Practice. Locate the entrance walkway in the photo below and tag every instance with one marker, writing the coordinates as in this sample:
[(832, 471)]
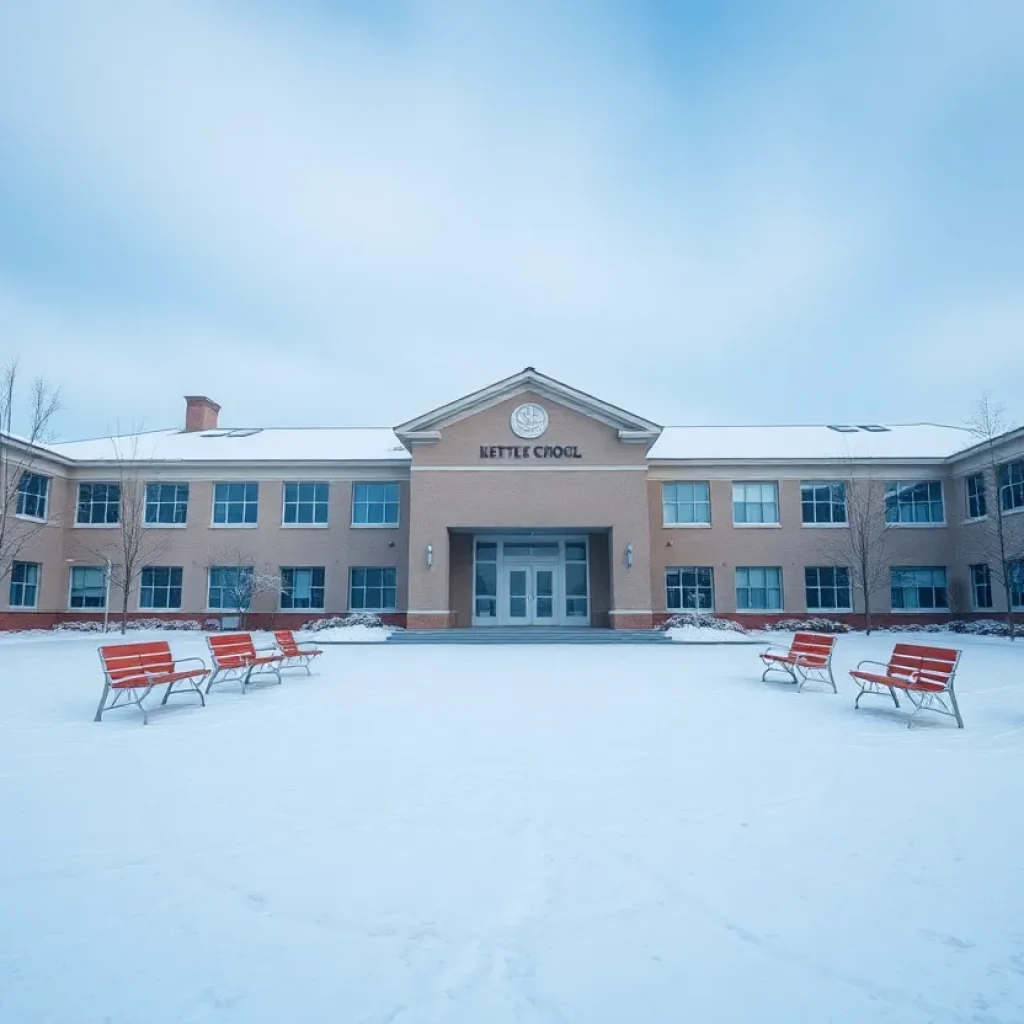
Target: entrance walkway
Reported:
[(528, 635)]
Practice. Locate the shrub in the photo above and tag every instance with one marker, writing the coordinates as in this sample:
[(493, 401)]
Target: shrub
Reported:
[(79, 627), (968, 627), (703, 621), (810, 625), (345, 621)]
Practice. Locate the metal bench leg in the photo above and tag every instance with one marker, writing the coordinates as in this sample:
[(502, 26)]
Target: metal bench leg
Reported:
[(167, 692), (832, 679), (956, 710), (103, 702), (213, 678)]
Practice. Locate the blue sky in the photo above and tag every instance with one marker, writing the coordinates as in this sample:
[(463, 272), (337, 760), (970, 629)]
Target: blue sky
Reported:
[(347, 213)]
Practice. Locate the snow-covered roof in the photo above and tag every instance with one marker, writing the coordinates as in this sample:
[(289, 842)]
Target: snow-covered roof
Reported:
[(240, 444), (843, 441)]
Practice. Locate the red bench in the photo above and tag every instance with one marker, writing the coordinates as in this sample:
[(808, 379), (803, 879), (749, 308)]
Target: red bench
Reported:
[(808, 656), (235, 657), (925, 674), (293, 653), (130, 671)]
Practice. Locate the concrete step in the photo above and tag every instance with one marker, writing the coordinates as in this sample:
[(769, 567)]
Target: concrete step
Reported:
[(528, 635)]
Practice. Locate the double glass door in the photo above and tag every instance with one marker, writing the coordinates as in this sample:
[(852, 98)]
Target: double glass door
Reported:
[(531, 594)]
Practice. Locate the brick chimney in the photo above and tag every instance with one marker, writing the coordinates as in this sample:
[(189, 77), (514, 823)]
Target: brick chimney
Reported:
[(200, 413)]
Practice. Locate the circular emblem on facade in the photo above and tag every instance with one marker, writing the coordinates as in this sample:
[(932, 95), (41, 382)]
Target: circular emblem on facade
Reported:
[(530, 420)]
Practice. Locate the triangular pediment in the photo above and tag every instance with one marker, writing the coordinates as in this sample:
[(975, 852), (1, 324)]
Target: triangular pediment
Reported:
[(427, 427)]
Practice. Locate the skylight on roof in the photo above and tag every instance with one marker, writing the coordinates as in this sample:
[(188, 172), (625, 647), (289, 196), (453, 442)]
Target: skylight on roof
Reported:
[(874, 428), (244, 433), (215, 433), (842, 428)]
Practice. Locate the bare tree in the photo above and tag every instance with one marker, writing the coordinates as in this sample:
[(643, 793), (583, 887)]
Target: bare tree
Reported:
[(240, 579), (137, 546), (996, 538), (18, 454), (863, 546)]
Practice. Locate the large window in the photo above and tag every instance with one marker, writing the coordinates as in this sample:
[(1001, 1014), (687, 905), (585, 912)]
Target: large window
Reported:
[(576, 603), (686, 504), (485, 581), (236, 504), (305, 504), (33, 492), (977, 500), (758, 589), (302, 588), (981, 587), (828, 588), (230, 587), (917, 502), (24, 584), (375, 504), (1011, 486), (689, 588), (372, 589), (160, 587), (755, 503), (88, 587), (822, 503), (166, 504), (98, 504), (1016, 581), (922, 589)]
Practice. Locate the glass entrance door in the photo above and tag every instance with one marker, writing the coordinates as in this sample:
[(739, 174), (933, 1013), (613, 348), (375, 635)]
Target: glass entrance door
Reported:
[(543, 596), (531, 595), (519, 594)]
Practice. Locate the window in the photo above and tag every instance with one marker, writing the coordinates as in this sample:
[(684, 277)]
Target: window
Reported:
[(88, 587), (828, 588), (372, 590), (375, 504), (686, 504), (1011, 486), (230, 587), (1016, 581), (235, 504), (758, 589), (576, 604), (689, 588), (166, 504), (823, 503), (305, 504), (981, 587), (914, 502), (977, 503), (755, 503), (918, 589), (98, 504), (302, 588), (485, 580), (24, 584), (33, 491), (160, 587)]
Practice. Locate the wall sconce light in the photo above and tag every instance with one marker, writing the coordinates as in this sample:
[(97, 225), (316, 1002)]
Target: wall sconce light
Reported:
[(629, 555), (430, 555)]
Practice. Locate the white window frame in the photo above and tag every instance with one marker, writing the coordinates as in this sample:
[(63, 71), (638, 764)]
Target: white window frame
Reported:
[(831, 505), (92, 504), (71, 588), (351, 587), (834, 587), (694, 503), (984, 583), (758, 568), (322, 587), (175, 504), (683, 609), (299, 502), (893, 490), (980, 497), (746, 503), (245, 503), (377, 526), (12, 583), (170, 586), (920, 610), (1013, 472), (18, 513)]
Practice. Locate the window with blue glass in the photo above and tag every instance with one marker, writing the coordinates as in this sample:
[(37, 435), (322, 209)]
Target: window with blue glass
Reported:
[(375, 504)]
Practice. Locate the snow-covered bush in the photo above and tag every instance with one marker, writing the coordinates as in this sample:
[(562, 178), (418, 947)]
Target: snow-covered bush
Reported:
[(344, 621), (79, 627), (703, 621), (810, 625), (189, 625), (969, 627)]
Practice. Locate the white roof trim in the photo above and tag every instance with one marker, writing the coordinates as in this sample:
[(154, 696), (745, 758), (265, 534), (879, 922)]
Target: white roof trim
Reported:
[(635, 427)]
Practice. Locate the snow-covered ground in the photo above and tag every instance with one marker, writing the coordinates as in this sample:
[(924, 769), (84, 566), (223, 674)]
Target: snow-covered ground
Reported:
[(497, 834)]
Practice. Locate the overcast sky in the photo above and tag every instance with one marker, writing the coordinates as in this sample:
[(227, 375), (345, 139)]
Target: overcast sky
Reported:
[(346, 213)]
